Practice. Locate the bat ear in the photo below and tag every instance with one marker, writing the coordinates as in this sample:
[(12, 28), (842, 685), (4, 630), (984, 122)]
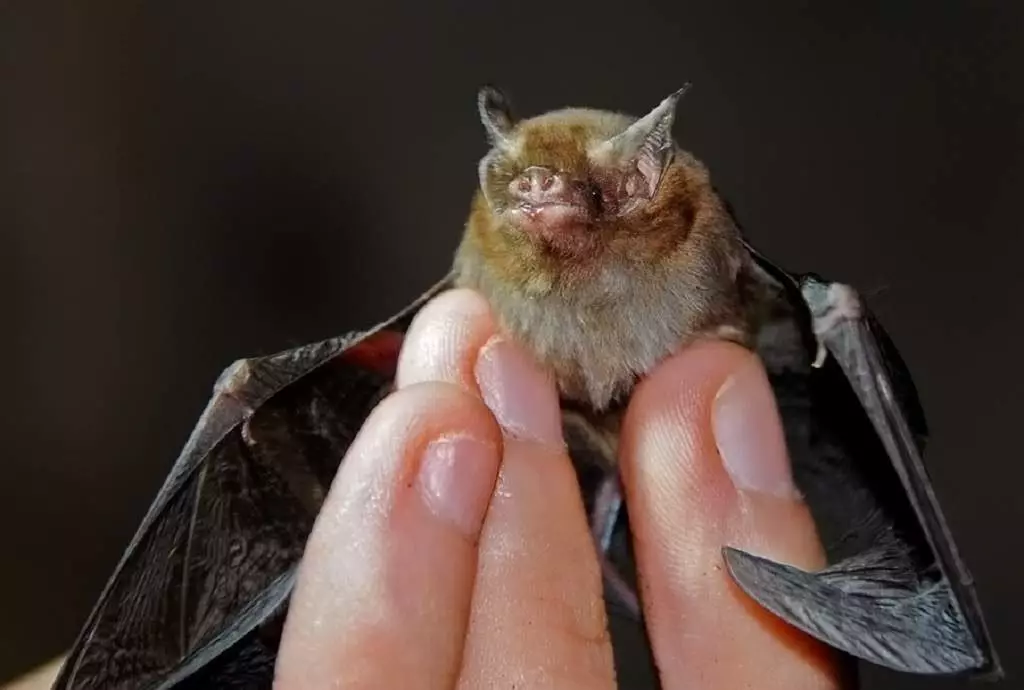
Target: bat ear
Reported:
[(648, 141), (495, 114)]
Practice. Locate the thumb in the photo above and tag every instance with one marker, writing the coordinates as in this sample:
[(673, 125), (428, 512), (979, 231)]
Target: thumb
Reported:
[(704, 464)]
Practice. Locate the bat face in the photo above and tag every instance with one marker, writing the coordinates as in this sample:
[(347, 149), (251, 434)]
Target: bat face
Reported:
[(565, 180), (568, 190)]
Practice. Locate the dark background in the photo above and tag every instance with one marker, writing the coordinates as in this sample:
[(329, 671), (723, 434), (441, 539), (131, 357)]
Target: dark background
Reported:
[(184, 183)]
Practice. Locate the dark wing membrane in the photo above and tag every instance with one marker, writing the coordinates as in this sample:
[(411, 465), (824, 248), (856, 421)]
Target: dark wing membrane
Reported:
[(214, 558), (895, 591), (881, 382)]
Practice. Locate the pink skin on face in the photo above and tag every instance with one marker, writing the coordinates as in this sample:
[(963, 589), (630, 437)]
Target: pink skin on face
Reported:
[(547, 206)]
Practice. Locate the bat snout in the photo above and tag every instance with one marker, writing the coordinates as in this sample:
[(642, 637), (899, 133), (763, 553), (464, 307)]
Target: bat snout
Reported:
[(538, 185), (553, 209)]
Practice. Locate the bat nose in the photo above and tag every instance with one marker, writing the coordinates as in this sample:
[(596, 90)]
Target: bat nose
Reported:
[(538, 185)]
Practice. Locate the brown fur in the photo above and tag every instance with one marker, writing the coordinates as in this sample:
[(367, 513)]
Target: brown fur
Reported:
[(654, 279)]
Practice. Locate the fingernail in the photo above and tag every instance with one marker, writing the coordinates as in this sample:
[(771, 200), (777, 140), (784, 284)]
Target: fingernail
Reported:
[(456, 478), (748, 431), (518, 392)]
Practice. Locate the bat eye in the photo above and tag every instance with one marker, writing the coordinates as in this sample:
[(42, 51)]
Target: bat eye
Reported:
[(597, 196)]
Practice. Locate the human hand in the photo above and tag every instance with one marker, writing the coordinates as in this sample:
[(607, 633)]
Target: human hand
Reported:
[(453, 551)]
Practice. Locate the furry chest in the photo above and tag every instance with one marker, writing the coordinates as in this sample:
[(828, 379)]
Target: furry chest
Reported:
[(596, 352)]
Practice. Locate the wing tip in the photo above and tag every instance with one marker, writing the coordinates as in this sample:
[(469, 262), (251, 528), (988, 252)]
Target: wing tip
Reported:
[(865, 626)]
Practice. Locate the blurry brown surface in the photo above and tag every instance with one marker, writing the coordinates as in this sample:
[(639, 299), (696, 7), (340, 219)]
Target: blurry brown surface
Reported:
[(184, 183), (39, 678)]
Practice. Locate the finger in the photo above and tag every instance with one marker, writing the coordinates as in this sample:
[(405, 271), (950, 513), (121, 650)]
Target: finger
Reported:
[(704, 465), (443, 340), (538, 618), (39, 678), (384, 587)]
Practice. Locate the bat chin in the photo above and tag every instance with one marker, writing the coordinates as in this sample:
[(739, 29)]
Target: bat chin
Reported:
[(564, 228)]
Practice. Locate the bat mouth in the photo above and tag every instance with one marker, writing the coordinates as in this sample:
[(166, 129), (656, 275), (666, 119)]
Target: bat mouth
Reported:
[(565, 227), (552, 213)]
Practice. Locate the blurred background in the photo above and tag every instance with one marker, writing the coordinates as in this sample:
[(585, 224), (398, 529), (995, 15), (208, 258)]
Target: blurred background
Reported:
[(185, 183)]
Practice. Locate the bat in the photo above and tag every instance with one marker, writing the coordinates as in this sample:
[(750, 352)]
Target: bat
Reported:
[(602, 246)]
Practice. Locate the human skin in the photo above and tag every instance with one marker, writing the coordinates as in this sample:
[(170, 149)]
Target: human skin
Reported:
[(39, 678), (453, 550)]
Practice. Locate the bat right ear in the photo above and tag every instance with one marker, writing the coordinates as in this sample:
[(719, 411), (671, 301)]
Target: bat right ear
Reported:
[(495, 114)]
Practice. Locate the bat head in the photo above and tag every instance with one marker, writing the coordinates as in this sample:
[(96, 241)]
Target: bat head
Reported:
[(575, 182), (600, 244)]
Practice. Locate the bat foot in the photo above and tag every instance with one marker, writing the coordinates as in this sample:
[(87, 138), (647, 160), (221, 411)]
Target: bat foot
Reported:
[(906, 626), (605, 517), (607, 507), (618, 592)]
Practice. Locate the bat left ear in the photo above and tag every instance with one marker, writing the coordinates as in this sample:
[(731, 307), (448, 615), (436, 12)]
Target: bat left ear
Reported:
[(648, 141), (495, 114)]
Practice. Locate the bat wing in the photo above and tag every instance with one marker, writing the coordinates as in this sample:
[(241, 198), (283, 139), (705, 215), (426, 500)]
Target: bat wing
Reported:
[(199, 595), (895, 592)]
